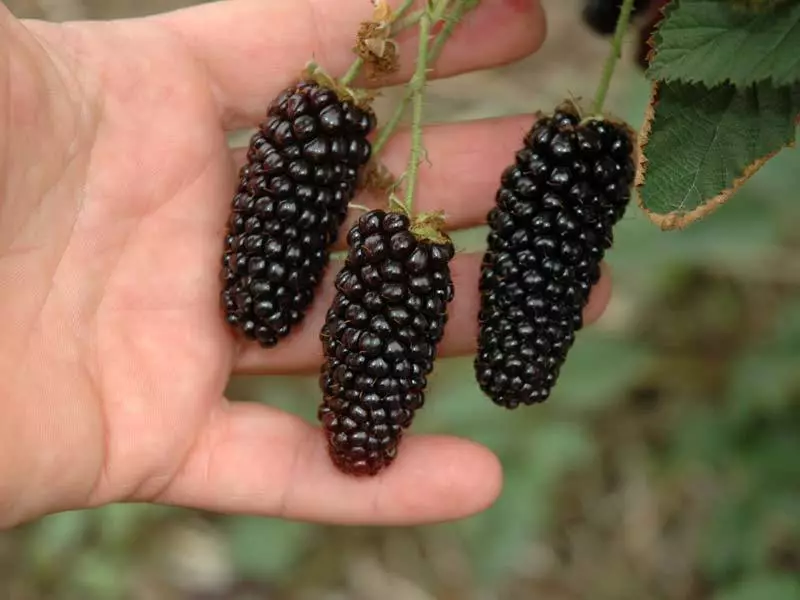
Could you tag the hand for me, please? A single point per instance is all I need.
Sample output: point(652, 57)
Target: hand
point(117, 181)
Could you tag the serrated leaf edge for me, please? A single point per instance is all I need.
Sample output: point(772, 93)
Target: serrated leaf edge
point(655, 41)
point(676, 220)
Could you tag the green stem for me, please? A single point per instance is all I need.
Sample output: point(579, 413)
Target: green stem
point(413, 18)
point(616, 50)
point(409, 20)
point(439, 10)
point(451, 20)
point(400, 23)
point(450, 23)
point(416, 88)
point(388, 129)
point(352, 72)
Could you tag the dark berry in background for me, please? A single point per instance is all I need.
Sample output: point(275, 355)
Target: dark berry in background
point(601, 15)
point(550, 228)
point(380, 338)
point(302, 170)
point(647, 28)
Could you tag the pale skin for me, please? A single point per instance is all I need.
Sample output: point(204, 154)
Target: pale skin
point(116, 181)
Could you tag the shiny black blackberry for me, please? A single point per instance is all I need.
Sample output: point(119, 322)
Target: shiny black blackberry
point(602, 15)
point(550, 228)
point(380, 338)
point(302, 170)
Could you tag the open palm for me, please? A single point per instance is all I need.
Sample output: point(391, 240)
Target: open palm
point(117, 179)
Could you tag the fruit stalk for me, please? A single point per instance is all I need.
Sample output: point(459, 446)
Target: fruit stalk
point(613, 56)
point(451, 20)
point(417, 88)
point(352, 71)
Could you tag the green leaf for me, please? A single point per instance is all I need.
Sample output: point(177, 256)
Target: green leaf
point(713, 42)
point(702, 144)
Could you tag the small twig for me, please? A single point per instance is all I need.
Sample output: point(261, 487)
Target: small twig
point(408, 20)
point(416, 89)
point(621, 30)
point(439, 10)
point(451, 20)
point(352, 72)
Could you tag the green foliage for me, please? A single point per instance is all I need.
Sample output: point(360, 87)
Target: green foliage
point(711, 42)
point(703, 141)
point(725, 100)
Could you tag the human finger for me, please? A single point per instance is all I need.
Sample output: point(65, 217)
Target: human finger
point(252, 48)
point(257, 460)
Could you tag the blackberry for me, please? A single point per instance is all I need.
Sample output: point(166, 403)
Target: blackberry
point(303, 166)
point(551, 225)
point(601, 15)
point(380, 337)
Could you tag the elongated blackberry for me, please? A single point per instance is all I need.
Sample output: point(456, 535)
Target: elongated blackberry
point(380, 337)
point(302, 170)
point(552, 223)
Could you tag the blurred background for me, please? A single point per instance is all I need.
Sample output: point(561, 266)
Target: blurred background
point(666, 466)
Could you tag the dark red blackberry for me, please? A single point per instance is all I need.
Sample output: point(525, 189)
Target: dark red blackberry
point(380, 338)
point(302, 170)
point(550, 228)
point(601, 15)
